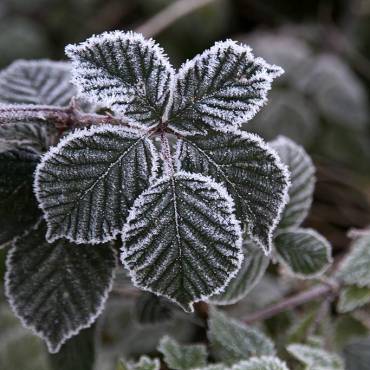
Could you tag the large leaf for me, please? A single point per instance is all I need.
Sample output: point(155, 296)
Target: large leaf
point(302, 177)
point(182, 240)
point(220, 89)
point(36, 82)
point(352, 297)
point(25, 135)
point(315, 358)
point(77, 354)
point(18, 206)
point(355, 268)
point(60, 288)
point(252, 270)
point(88, 182)
point(123, 71)
point(232, 341)
point(304, 252)
point(182, 357)
point(251, 172)
point(261, 363)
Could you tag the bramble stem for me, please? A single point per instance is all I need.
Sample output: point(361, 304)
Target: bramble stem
point(61, 117)
point(299, 299)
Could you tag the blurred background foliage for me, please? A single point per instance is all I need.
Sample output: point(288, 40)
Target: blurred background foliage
point(322, 102)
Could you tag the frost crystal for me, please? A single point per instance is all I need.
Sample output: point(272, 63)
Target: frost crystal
point(182, 240)
point(125, 72)
point(220, 89)
point(88, 182)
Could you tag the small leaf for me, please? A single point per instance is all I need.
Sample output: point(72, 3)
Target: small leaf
point(304, 252)
point(40, 82)
point(232, 341)
point(78, 353)
point(352, 297)
point(146, 363)
point(182, 357)
point(18, 206)
point(261, 363)
point(151, 309)
point(57, 289)
point(124, 72)
point(355, 268)
point(253, 268)
point(220, 89)
point(182, 240)
point(302, 177)
point(88, 182)
point(251, 172)
point(315, 358)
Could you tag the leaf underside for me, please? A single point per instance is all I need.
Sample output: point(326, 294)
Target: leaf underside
point(36, 82)
point(303, 251)
point(232, 341)
point(182, 357)
point(221, 88)
point(87, 184)
point(43, 288)
point(252, 174)
point(302, 177)
point(18, 205)
point(182, 240)
point(252, 270)
point(125, 72)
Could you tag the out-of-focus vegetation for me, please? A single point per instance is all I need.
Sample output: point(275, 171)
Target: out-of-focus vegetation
point(322, 102)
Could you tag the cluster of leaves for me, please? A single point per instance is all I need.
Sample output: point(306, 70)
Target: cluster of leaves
point(195, 224)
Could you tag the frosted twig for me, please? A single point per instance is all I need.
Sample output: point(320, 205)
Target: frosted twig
point(169, 15)
point(61, 117)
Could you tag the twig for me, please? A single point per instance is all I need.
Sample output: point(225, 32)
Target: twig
point(169, 15)
point(292, 302)
point(61, 117)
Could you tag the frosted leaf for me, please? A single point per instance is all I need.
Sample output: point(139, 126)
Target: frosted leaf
point(352, 297)
point(144, 363)
point(41, 82)
point(30, 136)
point(125, 72)
point(18, 206)
point(261, 363)
point(251, 172)
point(252, 270)
point(182, 357)
point(304, 252)
point(220, 89)
point(89, 181)
point(232, 341)
point(214, 367)
point(43, 288)
point(355, 268)
point(182, 240)
point(151, 309)
point(302, 177)
point(315, 358)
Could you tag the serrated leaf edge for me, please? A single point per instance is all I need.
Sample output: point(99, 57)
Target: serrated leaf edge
point(39, 333)
point(279, 164)
point(234, 222)
point(86, 132)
